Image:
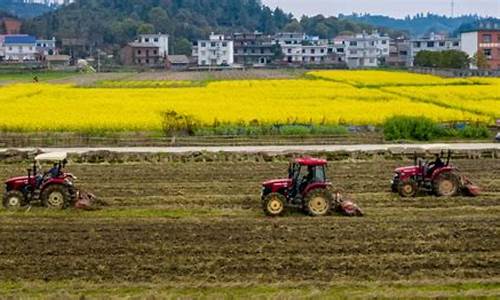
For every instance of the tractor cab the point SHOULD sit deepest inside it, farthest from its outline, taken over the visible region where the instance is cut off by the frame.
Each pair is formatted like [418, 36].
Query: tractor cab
[306, 173]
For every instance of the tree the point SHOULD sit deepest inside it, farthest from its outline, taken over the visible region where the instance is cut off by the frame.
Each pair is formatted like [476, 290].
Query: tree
[146, 28]
[480, 60]
[449, 59]
[293, 26]
[183, 46]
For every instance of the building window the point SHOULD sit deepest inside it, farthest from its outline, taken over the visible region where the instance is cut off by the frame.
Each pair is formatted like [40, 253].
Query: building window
[384, 42]
[139, 52]
[486, 38]
[155, 52]
[203, 44]
[147, 52]
[146, 40]
[289, 51]
[303, 50]
[340, 50]
[224, 44]
[456, 44]
[417, 44]
[212, 44]
[253, 50]
[353, 43]
[147, 61]
[156, 39]
[430, 44]
[441, 44]
[487, 53]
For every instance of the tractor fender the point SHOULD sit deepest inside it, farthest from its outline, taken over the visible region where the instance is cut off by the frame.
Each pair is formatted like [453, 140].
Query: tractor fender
[441, 171]
[316, 186]
[52, 181]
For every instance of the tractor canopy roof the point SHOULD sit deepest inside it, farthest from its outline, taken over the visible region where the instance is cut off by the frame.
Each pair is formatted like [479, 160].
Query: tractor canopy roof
[309, 161]
[52, 156]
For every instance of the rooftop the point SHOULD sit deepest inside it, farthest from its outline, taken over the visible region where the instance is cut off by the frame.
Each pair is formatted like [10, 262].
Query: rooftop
[19, 39]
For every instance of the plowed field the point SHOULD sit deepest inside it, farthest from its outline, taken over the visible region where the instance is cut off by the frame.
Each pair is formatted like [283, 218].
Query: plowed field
[171, 227]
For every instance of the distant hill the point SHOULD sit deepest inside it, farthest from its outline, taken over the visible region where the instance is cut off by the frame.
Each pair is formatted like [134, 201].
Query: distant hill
[418, 25]
[112, 23]
[24, 10]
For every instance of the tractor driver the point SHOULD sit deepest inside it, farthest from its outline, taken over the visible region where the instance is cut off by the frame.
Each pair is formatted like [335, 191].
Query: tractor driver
[433, 166]
[54, 171]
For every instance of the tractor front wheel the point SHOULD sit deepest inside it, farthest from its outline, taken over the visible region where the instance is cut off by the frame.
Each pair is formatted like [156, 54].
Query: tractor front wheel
[318, 202]
[56, 197]
[407, 188]
[446, 185]
[13, 200]
[274, 204]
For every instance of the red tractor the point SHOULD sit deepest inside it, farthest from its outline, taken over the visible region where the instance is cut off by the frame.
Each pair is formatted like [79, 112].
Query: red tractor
[306, 188]
[437, 177]
[55, 188]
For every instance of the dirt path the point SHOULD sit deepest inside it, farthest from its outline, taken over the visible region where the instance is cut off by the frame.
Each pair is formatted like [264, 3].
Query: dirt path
[277, 149]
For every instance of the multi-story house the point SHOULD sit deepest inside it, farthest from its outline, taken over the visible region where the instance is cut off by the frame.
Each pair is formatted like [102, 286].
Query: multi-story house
[216, 51]
[399, 51]
[19, 48]
[364, 50]
[156, 40]
[299, 48]
[486, 41]
[141, 54]
[147, 50]
[253, 49]
[434, 42]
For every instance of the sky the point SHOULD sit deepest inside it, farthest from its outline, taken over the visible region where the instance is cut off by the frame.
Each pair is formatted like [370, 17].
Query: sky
[394, 8]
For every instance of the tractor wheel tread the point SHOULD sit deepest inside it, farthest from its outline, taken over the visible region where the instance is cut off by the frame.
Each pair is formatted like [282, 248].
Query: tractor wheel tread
[407, 188]
[274, 204]
[450, 178]
[11, 194]
[56, 188]
[320, 208]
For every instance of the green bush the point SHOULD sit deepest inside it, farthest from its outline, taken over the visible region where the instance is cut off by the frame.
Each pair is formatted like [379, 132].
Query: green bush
[411, 128]
[425, 129]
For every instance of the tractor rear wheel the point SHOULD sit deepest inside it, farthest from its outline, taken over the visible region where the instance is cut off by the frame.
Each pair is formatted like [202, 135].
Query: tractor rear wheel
[274, 204]
[55, 197]
[13, 200]
[318, 202]
[446, 185]
[407, 188]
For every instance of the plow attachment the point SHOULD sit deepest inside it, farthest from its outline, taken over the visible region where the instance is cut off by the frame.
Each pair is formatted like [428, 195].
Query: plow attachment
[468, 188]
[346, 206]
[86, 201]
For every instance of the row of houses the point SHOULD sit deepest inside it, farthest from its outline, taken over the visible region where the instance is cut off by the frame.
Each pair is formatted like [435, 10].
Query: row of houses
[364, 50]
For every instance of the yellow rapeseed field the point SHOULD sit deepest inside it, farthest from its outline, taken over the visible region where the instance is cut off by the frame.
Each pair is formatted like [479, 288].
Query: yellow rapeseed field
[46, 107]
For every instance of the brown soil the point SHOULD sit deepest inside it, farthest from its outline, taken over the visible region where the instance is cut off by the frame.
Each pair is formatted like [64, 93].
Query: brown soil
[425, 238]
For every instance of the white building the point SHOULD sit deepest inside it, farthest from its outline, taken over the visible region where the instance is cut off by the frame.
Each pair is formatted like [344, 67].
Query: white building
[46, 47]
[363, 50]
[155, 40]
[302, 49]
[216, 51]
[435, 42]
[19, 48]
